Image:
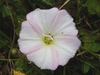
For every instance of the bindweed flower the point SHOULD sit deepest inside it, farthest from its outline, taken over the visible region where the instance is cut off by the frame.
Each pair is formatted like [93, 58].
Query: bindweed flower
[49, 38]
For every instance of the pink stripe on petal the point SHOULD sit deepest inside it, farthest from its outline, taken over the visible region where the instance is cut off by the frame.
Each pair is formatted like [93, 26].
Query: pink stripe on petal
[73, 42]
[27, 46]
[62, 19]
[50, 60]
[37, 57]
[35, 48]
[54, 56]
[66, 47]
[27, 32]
[33, 23]
[63, 56]
[41, 20]
[47, 63]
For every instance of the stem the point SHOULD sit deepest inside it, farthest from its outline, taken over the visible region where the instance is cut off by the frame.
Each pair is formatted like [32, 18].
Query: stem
[9, 61]
[14, 30]
[64, 4]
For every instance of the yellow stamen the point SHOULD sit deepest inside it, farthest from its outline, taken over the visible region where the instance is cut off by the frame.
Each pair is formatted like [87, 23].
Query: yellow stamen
[48, 36]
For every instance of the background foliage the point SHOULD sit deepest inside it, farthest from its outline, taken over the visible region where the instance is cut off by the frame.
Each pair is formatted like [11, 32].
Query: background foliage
[86, 14]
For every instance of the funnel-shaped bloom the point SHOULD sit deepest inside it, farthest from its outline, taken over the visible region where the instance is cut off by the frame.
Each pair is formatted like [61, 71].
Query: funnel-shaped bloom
[49, 38]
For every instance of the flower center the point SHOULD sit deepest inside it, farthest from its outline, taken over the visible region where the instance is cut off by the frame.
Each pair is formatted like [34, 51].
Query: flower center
[48, 39]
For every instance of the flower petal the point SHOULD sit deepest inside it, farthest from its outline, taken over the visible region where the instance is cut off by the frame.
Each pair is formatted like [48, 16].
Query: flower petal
[27, 32]
[63, 23]
[43, 58]
[66, 48]
[72, 42]
[28, 46]
[37, 57]
[63, 56]
[42, 19]
[29, 40]
[62, 30]
[67, 31]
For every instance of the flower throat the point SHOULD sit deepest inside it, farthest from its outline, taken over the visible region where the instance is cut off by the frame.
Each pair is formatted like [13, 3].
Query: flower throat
[48, 39]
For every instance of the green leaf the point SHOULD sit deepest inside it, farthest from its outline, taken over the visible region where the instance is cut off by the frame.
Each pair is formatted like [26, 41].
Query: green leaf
[4, 39]
[1, 2]
[93, 6]
[87, 43]
[3, 42]
[48, 2]
[85, 68]
[17, 30]
[4, 35]
[95, 47]
[4, 10]
[19, 64]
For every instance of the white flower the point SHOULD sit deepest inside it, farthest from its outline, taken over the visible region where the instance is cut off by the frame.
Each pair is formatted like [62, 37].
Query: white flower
[49, 38]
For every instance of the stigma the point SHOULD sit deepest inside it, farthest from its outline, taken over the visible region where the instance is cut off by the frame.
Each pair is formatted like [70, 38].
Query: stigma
[48, 39]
